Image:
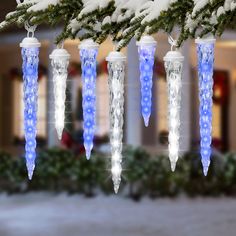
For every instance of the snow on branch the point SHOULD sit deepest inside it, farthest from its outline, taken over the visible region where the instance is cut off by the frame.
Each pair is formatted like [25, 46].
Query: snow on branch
[124, 19]
[42, 5]
[155, 9]
[93, 5]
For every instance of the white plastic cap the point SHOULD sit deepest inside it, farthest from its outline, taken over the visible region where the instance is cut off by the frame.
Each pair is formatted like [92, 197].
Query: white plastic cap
[147, 40]
[116, 56]
[88, 44]
[209, 39]
[59, 53]
[30, 42]
[173, 55]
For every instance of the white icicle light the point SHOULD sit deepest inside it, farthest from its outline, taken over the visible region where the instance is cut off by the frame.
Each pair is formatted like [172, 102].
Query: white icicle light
[173, 65]
[60, 61]
[116, 69]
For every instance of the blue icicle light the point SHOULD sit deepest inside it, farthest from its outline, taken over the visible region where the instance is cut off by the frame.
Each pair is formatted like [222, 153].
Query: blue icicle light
[146, 48]
[30, 53]
[88, 54]
[205, 51]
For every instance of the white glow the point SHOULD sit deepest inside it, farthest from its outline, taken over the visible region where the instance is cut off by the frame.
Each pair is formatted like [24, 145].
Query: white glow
[116, 86]
[173, 66]
[60, 62]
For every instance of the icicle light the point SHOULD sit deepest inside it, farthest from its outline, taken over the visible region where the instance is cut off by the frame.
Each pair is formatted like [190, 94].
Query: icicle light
[173, 65]
[30, 52]
[60, 62]
[205, 51]
[146, 48]
[116, 69]
[88, 54]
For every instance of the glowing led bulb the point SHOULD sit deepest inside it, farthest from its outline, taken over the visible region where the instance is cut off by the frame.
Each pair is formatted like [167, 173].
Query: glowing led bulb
[146, 48]
[205, 51]
[88, 54]
[173, 65]
[60, 61]
[116, 69]
[30, 53]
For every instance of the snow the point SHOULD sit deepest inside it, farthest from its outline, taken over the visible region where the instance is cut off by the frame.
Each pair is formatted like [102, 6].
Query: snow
[74, 25]
[131, 10]
[10, 14]
[107, 20]
[129, 6]
[59, 215]
[41, 5]
[103, 3]
[133, 5]
[190, 23]
[227, 5]
[213, 19]
[92, 5]
[3, 24]
[220, 11]
[198, 5]
[155, 10]
[233, 6]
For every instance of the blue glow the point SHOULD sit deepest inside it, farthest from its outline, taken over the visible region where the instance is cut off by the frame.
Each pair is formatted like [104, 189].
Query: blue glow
[205, 70]
[30, 79]
[89, 73]
[146, 59]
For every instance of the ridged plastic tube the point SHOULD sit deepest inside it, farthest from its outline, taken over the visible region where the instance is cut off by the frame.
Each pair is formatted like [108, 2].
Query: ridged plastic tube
[205, 51]
[174, 65]
[30, 56]
[60, 61]
[146, 48]
[116, 69]
[88, 54]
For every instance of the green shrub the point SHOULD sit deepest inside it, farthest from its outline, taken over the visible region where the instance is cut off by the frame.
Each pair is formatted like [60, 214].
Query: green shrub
[60, 170]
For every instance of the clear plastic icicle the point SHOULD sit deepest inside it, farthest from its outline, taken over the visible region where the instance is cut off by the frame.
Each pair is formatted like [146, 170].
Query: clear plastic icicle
[205, 51]
[60, 61]
[116, 69]
[173, 65]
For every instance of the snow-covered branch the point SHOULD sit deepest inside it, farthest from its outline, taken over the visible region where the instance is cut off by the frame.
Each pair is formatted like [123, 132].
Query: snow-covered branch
[124, 19]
